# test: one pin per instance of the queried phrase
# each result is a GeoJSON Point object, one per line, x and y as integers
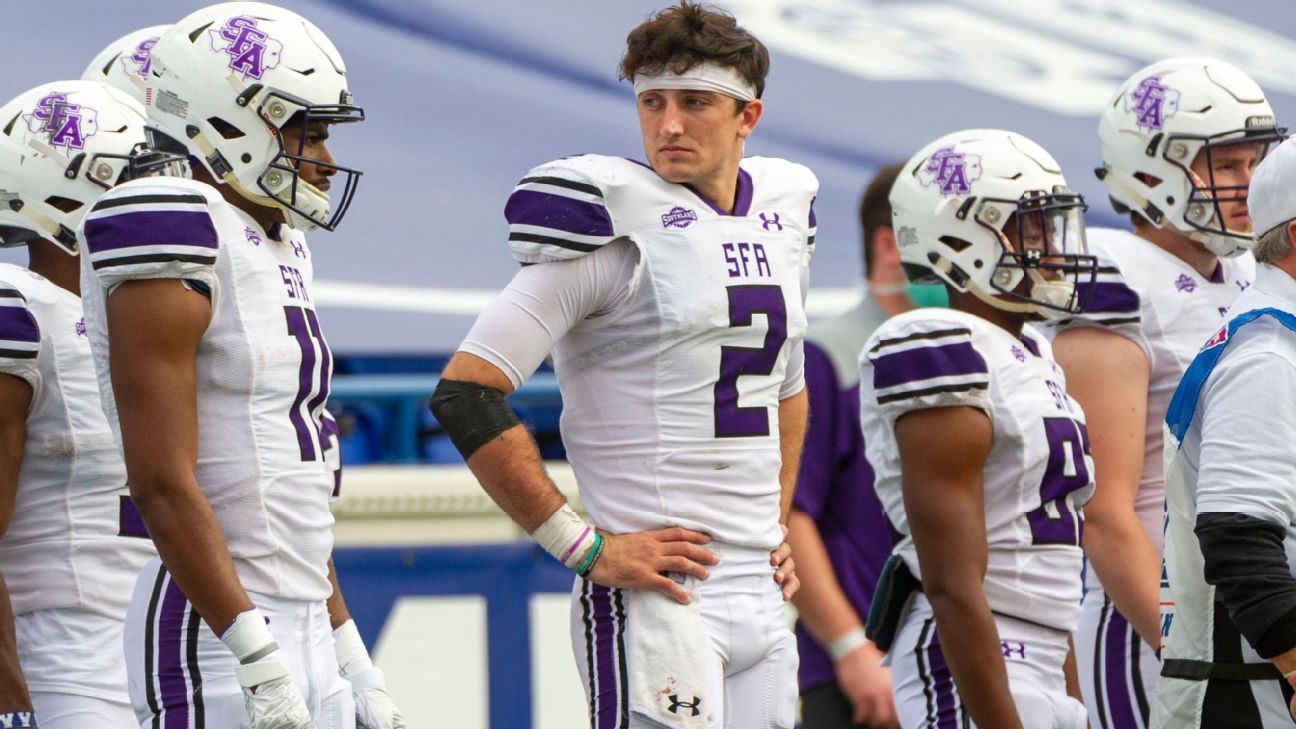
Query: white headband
{"type": "Point", "coordinates": [702, 77]}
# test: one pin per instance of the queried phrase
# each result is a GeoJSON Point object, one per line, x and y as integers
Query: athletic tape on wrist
{"type": "Point", "coordinates": [248, 638]}
{"type": "Point", "coordinates": [566, 536]}
{"type": "Point", "coordinates": [847, 643]}
{"type": "Point", "coordinates": [18, 719]}
{"type": "Point", "coordinates": [352, 656]}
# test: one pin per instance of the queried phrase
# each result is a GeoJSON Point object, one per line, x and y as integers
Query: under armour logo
{"type": "Point", "coordinates": [299, 248]}
{"type": "Point", "coordinates": [81, 327]}
{"type": "Point", "coordinates": [1185, 284]}
{"type": "Point", "coordinates": [17, 720]}
{"type": "Point", "coordinates": [766, 222]}
{"type": "Point", "coordinates": [1009, 648]}
{"type": "Point", "coordinates": [252, 236]}
{"type": "Point", "coordinates": [676, 704]}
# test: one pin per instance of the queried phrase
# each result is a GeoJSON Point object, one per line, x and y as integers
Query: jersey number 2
{"type": "Point", "coordinates": [731, 419]}
{"type": "Point", "coordinates": [1066, 472]}
{"type": "Point", "coordinates": [312, 380]}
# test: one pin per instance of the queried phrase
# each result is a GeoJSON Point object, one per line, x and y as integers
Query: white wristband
{"type": "Point", "coordinates": [847, 643]}
{"type": "Point", "coordinates": [352, 656]}
{"type": "Point", "coordinates": [248, 638]}
{"type": "Point", "coordinates": [566, 536]}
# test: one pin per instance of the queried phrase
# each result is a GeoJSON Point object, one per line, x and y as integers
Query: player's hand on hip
{"type": "Point", "coordinates": [784, 568]}
{"type": "Point", "coordinates": [637, 560]}
{"type": "Point", "coordinates": [867, 685]}
{"type": "Point", "coordinates": [270, 696]}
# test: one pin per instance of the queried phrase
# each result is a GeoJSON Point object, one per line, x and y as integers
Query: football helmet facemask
{"type": "Point", "coordinates": [227, 82]}
{"type": "Point", "coordinates": [61, 146]}
{"type": "Point", "coordinates": [988, 212]}
{"type": "Point", "coordinates": [1163, 118]}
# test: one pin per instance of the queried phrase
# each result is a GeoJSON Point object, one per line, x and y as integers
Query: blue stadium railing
{"type": "Point", "coordinates": [384, 417]}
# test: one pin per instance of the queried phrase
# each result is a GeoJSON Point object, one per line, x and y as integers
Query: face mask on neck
{"type": "Point", "coordinates": [928, 295]}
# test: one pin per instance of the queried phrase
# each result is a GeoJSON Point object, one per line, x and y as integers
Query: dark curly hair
{"type": "Point", "coordinates": [685, 35]}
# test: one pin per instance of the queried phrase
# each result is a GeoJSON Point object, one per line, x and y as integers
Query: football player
{"type": "Point", "coordinates": [1180, 139]}
{"type": "Point", "coordinates": [671, 294]}
{"type": "Point", "coordinates": [125, 62]}
{"type": "Point", "coordinates": [69, 549]}
{"type": "Point", "coordinates": [214, 367]}
{"type": "Point", "coordinates": [980, 457]}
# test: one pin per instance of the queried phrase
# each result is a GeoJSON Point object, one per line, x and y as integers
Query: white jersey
{"type": "Point", "coordinates": [1228, 445]}
{"type": "Point", "coordinates": [1162, 304]}
{"type": "Point", "coordinates": [65, 546]}
{"type": "Point", "coordinates": [1037, 475]}
{"type": "Point", "coordinates": [671, 397]}
{"type": "Point", "coordinates": [262, 368]}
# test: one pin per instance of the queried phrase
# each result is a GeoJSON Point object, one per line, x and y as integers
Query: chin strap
{"type": "Point", "coordinates": [225, 173]}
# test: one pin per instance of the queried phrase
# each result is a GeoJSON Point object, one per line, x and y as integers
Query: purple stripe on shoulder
{"type": "Point", "coordinates": [925, 363]}
{"type": "Point", "coordinates": [18, 325]}
{"type": "Point", "coordinates": [172, 680]}
{"type": "Point", "coordinates": [1112, 297]}
{"type": "Point", "coordinates": [557, 212]}
{"type": "Point", "coordinates": [604, 682]}
{"type": "Point", "coordinates": [813, 222]}
{"type": "Point", "coordinates": [192, 228]}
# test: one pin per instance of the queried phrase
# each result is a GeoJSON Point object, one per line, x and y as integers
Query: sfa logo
{"type": "Point", "coordinates": [68, 125]}
{"type": "Point", "coordinates": [251, 50]}
{"type": "Point", "coordinates": [141, 58]}
{"type": "Point", "coordinates": [953, 172]}
{"type": "Point", "coordinates": [678, 217]}
{"type": "Point", "coordinates": [1152, 102]}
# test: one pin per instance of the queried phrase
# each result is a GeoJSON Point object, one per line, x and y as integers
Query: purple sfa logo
{"type": "Point", "coordinates": [68, 125]}
{"type": "Point", "coordinates": [953, 172]}
{"type": "Point", "coordinates": [80, 327]}
{"type": "Point", "coordinates": [1017, 353]}
{"type": "Point", "coordinates": [253, 237]}
{"type": "Point", "coordinates": [252, 52]}
{"type": "Point", "coordinates": [1185, 284]}
{"type": "Point", "coordinates": [141, 59]}
{"type": "Point", "coordinates": [1152, 102]}
{"type": "Point", "coordinates": [678, 217]}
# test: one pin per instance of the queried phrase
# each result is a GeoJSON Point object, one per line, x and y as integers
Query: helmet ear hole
{"type": "Point", "coordinates": [958, 245]}
{"type": "Point", "coordinates": [224, 128]}
{"type": "Point", "coordinates": [193, 37]}
{"type": "Point", "coordinates": [63, 204]}
{"type": "Point", "coordinates": [8, 129]}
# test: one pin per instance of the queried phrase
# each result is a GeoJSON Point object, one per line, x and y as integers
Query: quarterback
{"type": "Point", "coordinates": [1180, 139]}
{"type": "Point", "coordinates": [214, 371]}
{"type": "Point", "coordinates": [671, 295]}
{"type": "Point", "coordinates": [69, 547]}
{"type": "Point", "coordinates": [981, 459]}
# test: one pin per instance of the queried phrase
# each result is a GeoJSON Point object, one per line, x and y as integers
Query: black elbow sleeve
{"type": "Point", "coordinates": [1246, 562]}
{"type": "Point", "coordinates": [471, 414]}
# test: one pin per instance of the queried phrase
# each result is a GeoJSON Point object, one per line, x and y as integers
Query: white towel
{"type": "Point", "coordinates": [667, 649]}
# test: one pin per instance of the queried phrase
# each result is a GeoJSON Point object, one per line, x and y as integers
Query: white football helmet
{"type": "Point", "coordinates": [1157, 124]}
{"type": "Point", "coordinates": [61, 146]}
{"type": "Point", "coordinates": [988, 211]}
{"type": "Point", "coordinates": [124, 64]}
{"type": "Point", "coordinates": [227, 79]}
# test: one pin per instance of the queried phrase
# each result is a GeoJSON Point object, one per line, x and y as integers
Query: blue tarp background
{"type": "Point", "coordinates": [463, 98]}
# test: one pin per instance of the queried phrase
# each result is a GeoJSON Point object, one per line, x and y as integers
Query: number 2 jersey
{"type": "Point", "coordinates": [65, 546]}
{"type": "Point", "coordinates": [1037, 474]}
{"type": "Point", "coordinates": [262, 368]}
{"type": "Point", "coordinates": [687, 334]}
